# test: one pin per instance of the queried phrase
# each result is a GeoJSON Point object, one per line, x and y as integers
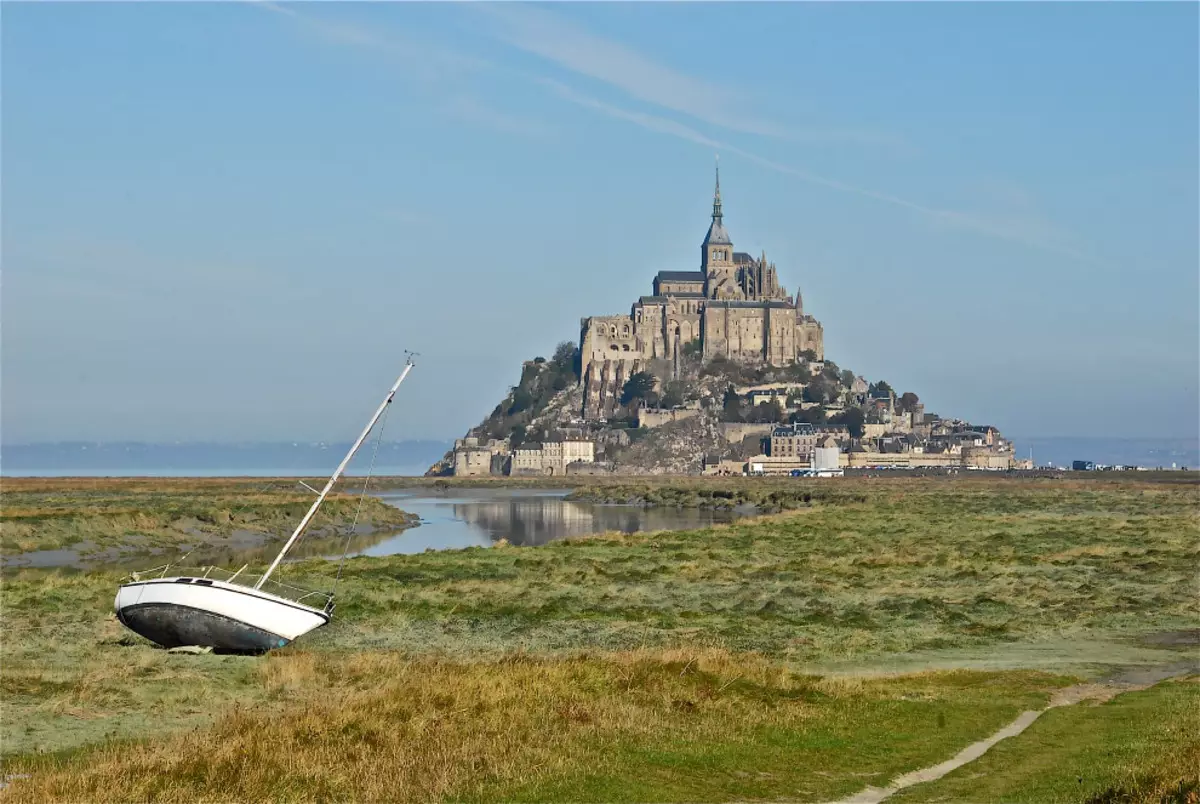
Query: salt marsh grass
{"type": "Point", "coordinates": [752, 660]}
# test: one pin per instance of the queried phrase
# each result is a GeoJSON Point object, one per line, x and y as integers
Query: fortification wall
{"type": "Point", "coordinates": [734, 432]}
{"type": "Point", "coordinates": [651, 418]}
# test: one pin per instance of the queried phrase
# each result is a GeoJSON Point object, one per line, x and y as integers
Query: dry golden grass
{"type": "Point", "coordinates": [378, 726]}
{"type": "Point", "coordinates": [123, 515]}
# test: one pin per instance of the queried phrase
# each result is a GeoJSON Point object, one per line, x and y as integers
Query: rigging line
{"type": "Point", "coordinates": [362, 498]}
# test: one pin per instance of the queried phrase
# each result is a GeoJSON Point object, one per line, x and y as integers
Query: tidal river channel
{"type": "Point", "coordinates": [449, 520]}
{"type": "Point", "coordinates": [523, 517]}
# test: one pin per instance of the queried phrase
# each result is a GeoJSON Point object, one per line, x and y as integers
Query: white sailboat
{"type": "Point", "coordinates": [234, 613]}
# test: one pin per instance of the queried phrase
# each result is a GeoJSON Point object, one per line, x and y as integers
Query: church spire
{"type": "Point", "coordinates": [717, 236]}
{"type": "Point", "coordinates": [717, 195]}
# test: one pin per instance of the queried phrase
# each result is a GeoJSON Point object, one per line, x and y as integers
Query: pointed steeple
{"type": "Point", "coordinates": [716, 232]}
{"type": "Point", "coordinates": [717, 195]}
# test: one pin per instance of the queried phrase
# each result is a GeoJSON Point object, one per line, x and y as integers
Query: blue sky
{"type": "Point", "coordinates": [227, 221]}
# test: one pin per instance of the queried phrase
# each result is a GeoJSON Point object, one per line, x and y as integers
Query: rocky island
{"type": "Point", "coordinates": [718, 371]}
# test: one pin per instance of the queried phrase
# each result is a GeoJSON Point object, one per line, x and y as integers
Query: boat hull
{"type": "Point", "coordinates": [226, 617]}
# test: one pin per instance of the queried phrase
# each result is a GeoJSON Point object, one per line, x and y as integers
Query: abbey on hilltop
{"type": "Point", "coordinates": [733, 307]}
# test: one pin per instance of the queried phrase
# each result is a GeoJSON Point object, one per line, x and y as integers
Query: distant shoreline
{"type": "Point", "coordinates": [411, 458]}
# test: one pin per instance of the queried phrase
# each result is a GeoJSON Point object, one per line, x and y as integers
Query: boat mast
{"type": "Point", "coordinates": [336, 474]}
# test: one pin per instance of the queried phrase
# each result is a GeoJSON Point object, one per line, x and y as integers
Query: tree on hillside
{"type": "Point", "coordinates": [638, 386]}
{"type": "Point", "coordinates": [564, 352]}
{"type": "Point", "coordinates": [765, 413]}
{"type": "Point", "coordinates": [731, 409]}
{"type": "Point", "coordinates": [880, 388]}
{"type": "Point", "coordinates": [717, 367]}
{"type": "Point", "coordinates": [908, 401]}
{"type": "Point", "coordinates": [854, 419]}
{"type": "Point", "coordinates": [566, 359]}
{"type": "Point", "coordinates": [847, 378]}
{"type": "Point", "coordinates": [809, 355]}
{"type": "Point", "coordinates": [815, 415]}
{"type": "Point", "coordinates": [799, 372]}
{"type": "Point", "coordinates": [818, 391]}
{"type": "Point", "coordinates": [517, 437]}
{"type": "Point", "coordinates": [521, 400]}
{"type": "Point", "coordinates": [673, 394]}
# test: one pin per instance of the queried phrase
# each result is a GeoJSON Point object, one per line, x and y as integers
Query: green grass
{"type": "Point", "coordinates": [1140, 746]}
{"type": "Point", "coordinates": [914, 568]}
{"type": "Point", "coordinates": [627, 727]}
{"type": "Point", "coordinates": [833, 749]}
{"type": "Point", "coordinates": [119, 517]}
{"type": "Point", "coordinates": [871, 575]}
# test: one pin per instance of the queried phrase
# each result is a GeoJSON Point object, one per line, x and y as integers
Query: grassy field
{"type": "Point", "coordinates": [111, 518]}
{"type": "Point", "coordinates": [736, 662]}
{"type": "Point", "coordinates": [1141, 746]}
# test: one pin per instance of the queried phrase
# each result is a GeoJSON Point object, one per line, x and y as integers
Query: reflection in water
{"type": "Point", "coordinates": [454, 520]}
{"type": "Point", "coordinates": [525, 518]}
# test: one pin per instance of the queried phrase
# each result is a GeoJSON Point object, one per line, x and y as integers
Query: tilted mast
{"type": "Point", "coordinates": [336, 474]}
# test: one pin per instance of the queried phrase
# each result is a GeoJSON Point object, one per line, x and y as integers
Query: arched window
{"type": "Point", "coordinates": [625, 347]}
{"type": "Point", "coordinates": [614, 347]}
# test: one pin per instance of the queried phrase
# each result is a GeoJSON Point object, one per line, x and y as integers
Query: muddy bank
{"type": "Point", "coordinates": [139, 551]}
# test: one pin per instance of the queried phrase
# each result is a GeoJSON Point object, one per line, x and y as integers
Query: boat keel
{"type": "Point", "coordinates": [172, 625]}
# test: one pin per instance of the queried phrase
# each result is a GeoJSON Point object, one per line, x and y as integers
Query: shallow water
{"type": "Point", "coordinates": [449, 520]}
{"type": "Point", "coordinates": [523, 517]}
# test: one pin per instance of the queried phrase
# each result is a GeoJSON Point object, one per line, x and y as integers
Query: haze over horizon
{"type": "Point", "coordinates": [225, 222]}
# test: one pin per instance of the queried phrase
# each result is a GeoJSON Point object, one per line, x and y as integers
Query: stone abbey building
{"type": "Point", "coordinates": [733, 307]}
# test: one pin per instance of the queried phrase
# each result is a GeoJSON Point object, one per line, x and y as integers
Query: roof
{"type": "Point", "coordinates": [717, 236]}
{"type": "Point", "coordinates": [668, 297]}
{"type": "Point", "coordinates": [680, 276]}
{"type": "Point", "coordinates": [746, 303]}
{"type": "Point", "coordinates": [799, 428]}
{"type": "Point", "coordinates": [742, 258]}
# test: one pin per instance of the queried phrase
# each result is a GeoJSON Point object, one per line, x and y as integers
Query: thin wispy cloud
{"type": "Point", "coordinates": [549, 36]}
{"type": "Point", "coordinates": [661, 125]}
{"type": "Point", "coordinates": [1025, 230]}
{"type": "Point", "coordinates": [422, 61]}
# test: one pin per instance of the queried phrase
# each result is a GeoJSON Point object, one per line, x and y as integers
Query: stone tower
{"type": "Point", "coordinates": [716, 255]}
{"type": "Point", "coordinates": [732, 308]}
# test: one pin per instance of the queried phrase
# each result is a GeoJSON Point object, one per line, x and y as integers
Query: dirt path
{"type": "Point", "coordinates": [1126, 681]}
